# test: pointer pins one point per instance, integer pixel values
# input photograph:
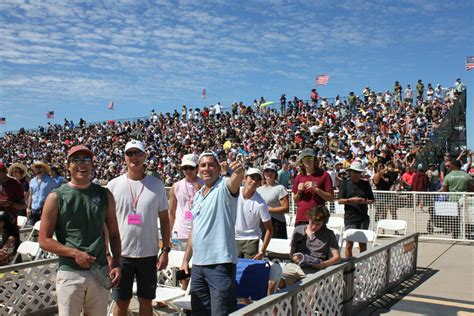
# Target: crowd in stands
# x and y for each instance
(388, 127)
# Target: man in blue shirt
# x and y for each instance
(212, 239)
(40, 186)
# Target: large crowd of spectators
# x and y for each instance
(388, 127)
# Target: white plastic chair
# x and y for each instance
(165, 293)
(35, 230)
(396, 225)
(29, 250)
(336, 224)
(359, 236)
(280, 246)
(338, 236)
(21, 221)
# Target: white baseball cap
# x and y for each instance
(189, 160)
(135, 144)
(357, 165)
(252, 171)
(270, 165)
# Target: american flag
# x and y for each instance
(111, 105)
(50, 114)
(203, 94)
(3, 121)
(322, 80)
(469, 62)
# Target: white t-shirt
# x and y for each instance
(249, 213)
(139, 236)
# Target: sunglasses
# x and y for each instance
(187, 168)
(308, 158)
(132, 153)
(78, 160)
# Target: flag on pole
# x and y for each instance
(203, 94)
(3, 121)
(322, 80)
(50, 114)
(111, 105)
(469, 62)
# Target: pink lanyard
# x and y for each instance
(189, 198)
(134, 198)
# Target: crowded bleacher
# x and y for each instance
(390, 126)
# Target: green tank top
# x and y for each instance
(80, 223)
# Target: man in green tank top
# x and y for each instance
(81, 213)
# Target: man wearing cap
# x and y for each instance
(356, 194)
(181, 198)
(40, 186)
(212, 239)
(82, 215)
(141, 200)
(312, 186)
(12, 199)
(251, 209)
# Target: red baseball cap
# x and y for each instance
(3, 166)
(80, 148)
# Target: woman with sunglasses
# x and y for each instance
(181, 197)
(312, 186)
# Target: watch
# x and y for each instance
(166, 249)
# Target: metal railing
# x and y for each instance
(346, 288)
(434, 215)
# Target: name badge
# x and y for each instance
(188, 215)
(134, 219)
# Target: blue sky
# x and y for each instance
(72, 57)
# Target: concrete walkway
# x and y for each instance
(443, 284)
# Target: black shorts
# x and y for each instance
(144, 269)
(357, 225)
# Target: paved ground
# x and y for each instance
(443, 284)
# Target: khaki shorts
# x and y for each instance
(292, 273)
(79, 290)
(247, 248)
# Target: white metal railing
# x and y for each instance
(434, 215)
(346, 288)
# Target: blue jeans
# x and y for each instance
(213, 289)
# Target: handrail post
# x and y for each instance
(294, 304)
(414, 211)
(463, 217)
(387, 272)
(348, 292)
(415, 255)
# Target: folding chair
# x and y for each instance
(34, 231)
(168, 293)
(21, 221)
(398, 226)
(28, 250)
(338, 236)
(359, 236)
(278, 250)
(337, 225)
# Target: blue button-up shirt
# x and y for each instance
(40, 190)
(213, 231)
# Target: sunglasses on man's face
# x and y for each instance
(78, 160)
(132, 153)
(185, 168)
